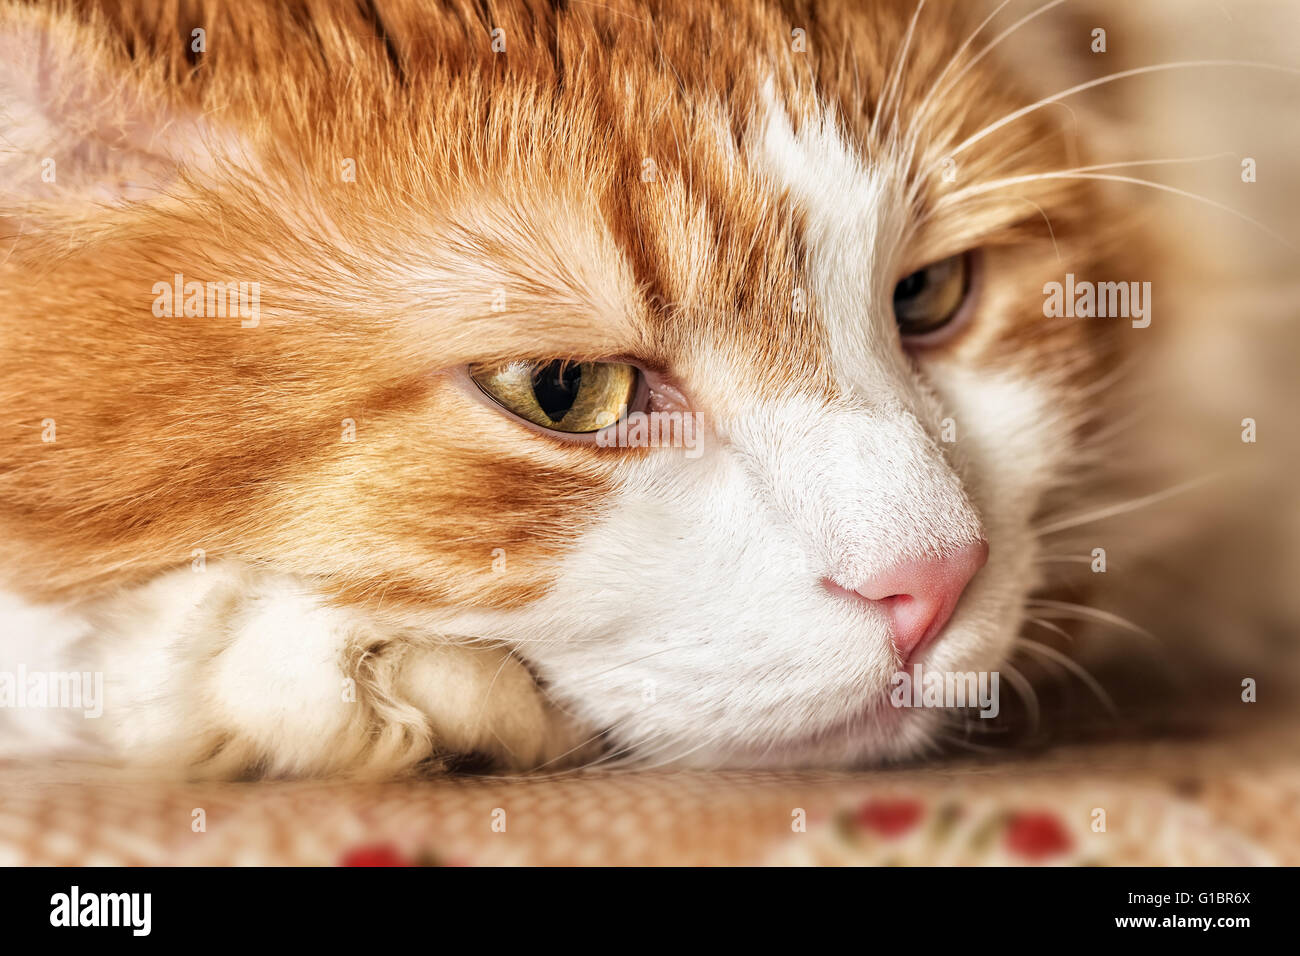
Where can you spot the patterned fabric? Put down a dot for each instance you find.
(1236, 801)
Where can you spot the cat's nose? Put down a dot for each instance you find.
(919, 594)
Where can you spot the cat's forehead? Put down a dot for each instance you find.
(726, 191)
(735, 185)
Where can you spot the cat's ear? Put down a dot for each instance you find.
(81, 122)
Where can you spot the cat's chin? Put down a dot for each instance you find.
(874, 735)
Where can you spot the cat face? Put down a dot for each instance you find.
(711, 215)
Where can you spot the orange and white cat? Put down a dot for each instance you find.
(318, 324)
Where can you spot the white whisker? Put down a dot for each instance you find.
(1101, 81)
(889, 90)
(952, 61)
(1173, 190)
(995, 184)
(1125, 507)
(1068, 609)
(1050, 230)
(997, 40)
(937, 92)
(1025, 689)
(1073, 666)
(1054, 628)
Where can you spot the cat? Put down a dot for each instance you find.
(360, 523)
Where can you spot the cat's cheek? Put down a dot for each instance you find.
(701, 584)
(1015, 440)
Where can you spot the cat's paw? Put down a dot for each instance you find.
(232, 673)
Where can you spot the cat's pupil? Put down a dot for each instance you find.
(911, 286)
(555, 385)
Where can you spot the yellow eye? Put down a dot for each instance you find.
(574, 397)
(930, 298)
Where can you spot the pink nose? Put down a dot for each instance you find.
(919, 595)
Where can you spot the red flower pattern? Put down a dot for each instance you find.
(889, 818)
(375, 855)
(1036, 836)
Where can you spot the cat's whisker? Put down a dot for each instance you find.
(1074, 667)
(671, 749)
(1101, 81)
(890, 91)
(1103, 437)
(600, 761)
(1161, 187)
(1082, 611)
(479, 641)
(678, 756)
(637, 660)
(965, 743)
(487, 694)
(595, 762)
(501, 740)
(1124, 507)
(995, 184)
(937, 91)
(952, 61)
(620, 755)
(1025, 688)
(1124, 368)
(1050, 229)
(1054, 628)
(980, 189)
(633, 754)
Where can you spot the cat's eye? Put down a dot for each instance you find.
(931, 298)
(575, 397)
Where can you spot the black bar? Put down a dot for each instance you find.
(377, 907)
